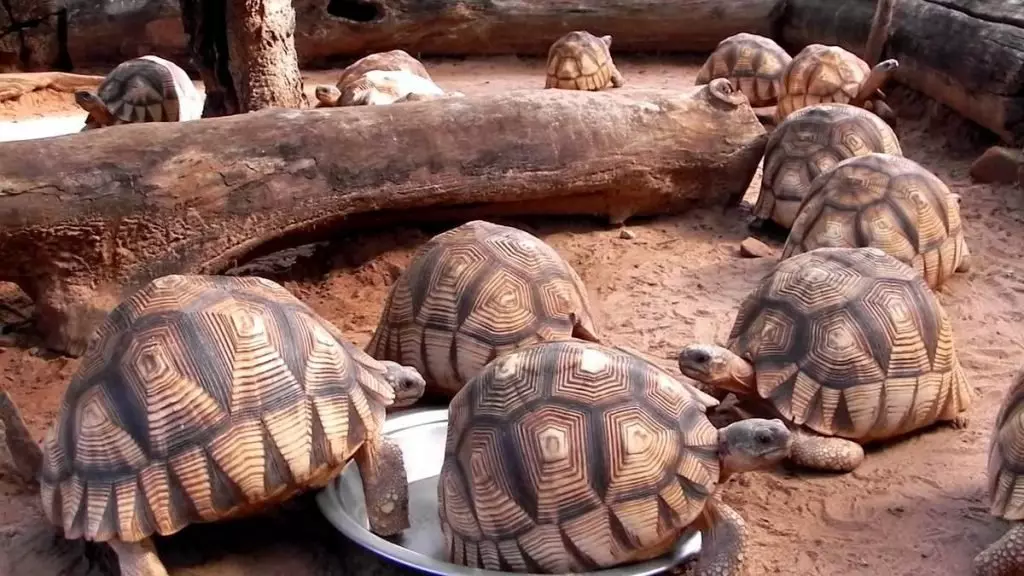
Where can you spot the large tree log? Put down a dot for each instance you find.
(87, 217)
(966, 54)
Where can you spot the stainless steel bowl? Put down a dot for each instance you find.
(421, 435)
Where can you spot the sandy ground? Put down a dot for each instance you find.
(914, 507)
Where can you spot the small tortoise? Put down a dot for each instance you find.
(473, 293)
(888, 202)
(144, 89)
(752, 63)
(811, 141)
(581, 61)
(849, 344)
(202, 398)
(392, 60)
(1005, 557)
(572, 456)
(822, 74)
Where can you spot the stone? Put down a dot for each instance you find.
(998, 164)
(753, 248)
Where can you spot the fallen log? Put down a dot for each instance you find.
(980, 74)
(16, 85)
(88, 217)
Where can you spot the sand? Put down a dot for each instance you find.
(917, 506)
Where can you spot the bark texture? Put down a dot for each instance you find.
(13, 86)
(966, 54)
(78, 232)
(262, 58)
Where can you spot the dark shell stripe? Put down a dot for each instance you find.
(578, 61)
(889, 202)
(809, 142)
(753, 64)
(472, 293)
(851, 343)
(141, 90)
(562, 456)
(1006, 455)
(203, 398)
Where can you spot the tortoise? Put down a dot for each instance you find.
(392, 60)
(383, 87)
(144, 89)
(203, 398)
(581, 61)
(753, 64)
(888, 202)
(473, 293)
(1005, 557)
(848, 345)
(811, 141)
(572, 456)
(822, 74)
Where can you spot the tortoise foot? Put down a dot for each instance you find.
(1005, 557)
(385, 486)
(827, 454)
(724, 537)
(138, 558)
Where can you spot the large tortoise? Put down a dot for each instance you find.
(390, 61)
(809, 142)
(581, 61)
(572, 456)
(888, 202)
(753, 64)
(473, 293)
(820, 74)
(202, 398)
(1005, 557)
(847, 344)
(144, 89)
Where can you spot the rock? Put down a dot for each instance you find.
(998, 164)
(753, 248)
(627, 234)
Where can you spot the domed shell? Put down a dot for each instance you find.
(1006, 455)
(580, 61)
(392, 60)
(820, 74)
(753, 64)
(887, 202)
(851, 342)
(566, 456)
(474, 293)
(812, 141)
(202, 398)
(147, 89)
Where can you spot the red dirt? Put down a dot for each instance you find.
(914, 507)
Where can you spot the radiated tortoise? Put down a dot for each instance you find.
(572, 456)
(581, 61)
(390, 61)
(473, 293)
(202, 398)
(753, 64)
(847, 344)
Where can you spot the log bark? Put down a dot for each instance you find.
(78, 232)
(262, 58)
(14, 86)
(980, 74)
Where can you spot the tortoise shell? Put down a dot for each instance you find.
(820, 74)
(851, 342)
(203, 398)
(752, 63)
(811, 141)
(888, 202)
(392, 60)
(473, 293)
(573, 456)
(1006, 455)
(581, 61)
(147, 89)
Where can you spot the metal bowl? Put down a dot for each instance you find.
(421, 435)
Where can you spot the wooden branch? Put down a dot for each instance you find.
(16, 85)
(26, 455)
(79, 231)
(980, 74)
(879, 34)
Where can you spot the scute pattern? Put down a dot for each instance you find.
(473, 293)
(572, 456)
(820, 74)
(851, 342)
(753, 64)
(1006, 455)
(146, 89)
(886, 202)
(201, 398)
(579, 61)
(810, 142)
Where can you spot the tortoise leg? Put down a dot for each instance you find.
(385, 486)
(25, 453)
(1005, 557)
(617, 79)
(824, 453)
(723, 540)
(138, 558)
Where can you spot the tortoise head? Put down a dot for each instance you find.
(607, 39)
(328, 95)
(717, 367)
(878, 76)
(406, 381)
(98, 111)
(753, 444)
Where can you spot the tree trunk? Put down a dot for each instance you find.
(965, 54)
(205, 23)
(80, 231)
